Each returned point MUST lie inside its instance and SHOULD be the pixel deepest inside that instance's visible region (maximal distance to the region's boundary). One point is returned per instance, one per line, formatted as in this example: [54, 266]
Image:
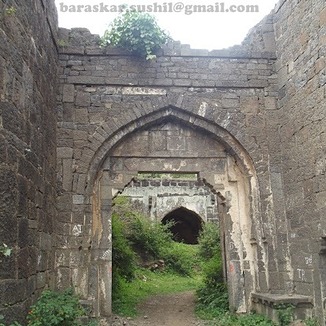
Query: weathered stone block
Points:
[81, 116]
[41, 280]
[23, 234]
[45, 241]
[8, 203]
[82, 99]
[27, 262]
[64, 152]
[68, 94]
[12, 291]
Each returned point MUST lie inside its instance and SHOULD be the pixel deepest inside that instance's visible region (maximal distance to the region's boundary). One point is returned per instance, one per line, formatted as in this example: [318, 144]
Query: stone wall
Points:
[28, 85]
[168, 147]
[110, 98]
[156, 198]
[300, 48]
[254, 118]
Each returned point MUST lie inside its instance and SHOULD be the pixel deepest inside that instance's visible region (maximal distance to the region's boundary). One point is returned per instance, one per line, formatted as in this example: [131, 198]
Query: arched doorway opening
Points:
[185, 225]
[172, 140]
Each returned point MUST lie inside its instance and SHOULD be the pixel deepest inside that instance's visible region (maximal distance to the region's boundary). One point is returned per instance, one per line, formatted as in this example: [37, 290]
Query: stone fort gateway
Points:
[236, 136]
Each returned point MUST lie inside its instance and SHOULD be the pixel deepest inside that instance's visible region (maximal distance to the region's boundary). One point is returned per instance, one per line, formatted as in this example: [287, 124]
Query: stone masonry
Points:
[28, 88]
[248, 121]
[187, 112]
[158, 198]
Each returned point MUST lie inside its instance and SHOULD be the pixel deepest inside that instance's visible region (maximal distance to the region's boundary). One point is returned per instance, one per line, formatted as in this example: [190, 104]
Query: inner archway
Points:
[186, 225]
[177, 144]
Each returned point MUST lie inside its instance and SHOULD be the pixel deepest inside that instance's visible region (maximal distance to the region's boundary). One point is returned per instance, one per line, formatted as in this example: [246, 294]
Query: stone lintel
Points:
[274, 300]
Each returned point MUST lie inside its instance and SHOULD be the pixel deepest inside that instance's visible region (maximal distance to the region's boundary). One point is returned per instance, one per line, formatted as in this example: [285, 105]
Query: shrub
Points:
[285, 314]
[213, 298]
[149, 238]
[54, 308]
[209, 241]
[213, 271]
[179, 258]
[213, 295]
[137, 32]
[15, 323]
[123, 257]
[311, 322]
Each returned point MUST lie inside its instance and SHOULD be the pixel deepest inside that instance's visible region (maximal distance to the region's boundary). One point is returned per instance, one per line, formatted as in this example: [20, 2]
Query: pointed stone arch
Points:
[186, 225]
[166, 113]
[241, 221]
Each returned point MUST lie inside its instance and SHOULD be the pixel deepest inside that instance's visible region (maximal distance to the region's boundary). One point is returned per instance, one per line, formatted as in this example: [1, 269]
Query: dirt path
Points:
[165, 310]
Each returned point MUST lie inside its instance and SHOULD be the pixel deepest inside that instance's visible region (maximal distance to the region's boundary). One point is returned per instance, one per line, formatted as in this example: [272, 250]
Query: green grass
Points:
[182, 258]
[138, 241]
[221, 317]
[149, 283]
[187, 267]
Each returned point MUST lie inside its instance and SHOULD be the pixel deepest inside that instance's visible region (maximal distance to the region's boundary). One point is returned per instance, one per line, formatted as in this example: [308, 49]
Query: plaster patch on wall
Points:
[77, 230]
[202, 109]
[107, 255]
[219, 178]
[80, 277]
[231, 170]
[114, 192]
[143, 91]
[168, 166]
[301, 274]
[61, 260]
[59, 279]
[308, 260]
[182, 164]
[103, 289]
[226, 121]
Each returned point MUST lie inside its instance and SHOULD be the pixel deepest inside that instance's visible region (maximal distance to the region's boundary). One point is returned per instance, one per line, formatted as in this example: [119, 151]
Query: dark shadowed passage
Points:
[186, 225]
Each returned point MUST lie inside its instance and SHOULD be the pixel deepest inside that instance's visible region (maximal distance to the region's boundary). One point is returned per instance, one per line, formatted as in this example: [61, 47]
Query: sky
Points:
[219, 27]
